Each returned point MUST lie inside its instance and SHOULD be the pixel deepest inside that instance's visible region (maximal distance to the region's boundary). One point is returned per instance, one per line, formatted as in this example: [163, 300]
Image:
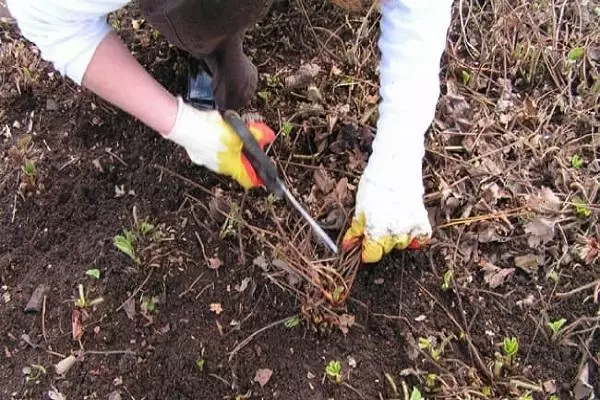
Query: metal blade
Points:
[313, 224]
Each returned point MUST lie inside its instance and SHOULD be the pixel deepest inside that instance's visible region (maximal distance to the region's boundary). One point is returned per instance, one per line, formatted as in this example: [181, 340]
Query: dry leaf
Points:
[215, 263]
[324, 182]
[76, 324]
[495, 276]
[528, 263]
[216, 308]
[129, 308]
[262, 376]
[541, 231]
[64, 365]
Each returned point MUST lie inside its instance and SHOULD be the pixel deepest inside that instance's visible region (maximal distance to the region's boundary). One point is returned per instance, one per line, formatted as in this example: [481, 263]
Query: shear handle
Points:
[261, 163]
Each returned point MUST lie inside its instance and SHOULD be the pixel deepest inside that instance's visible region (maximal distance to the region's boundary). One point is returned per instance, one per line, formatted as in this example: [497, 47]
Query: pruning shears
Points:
[267, 172]
[200, 95]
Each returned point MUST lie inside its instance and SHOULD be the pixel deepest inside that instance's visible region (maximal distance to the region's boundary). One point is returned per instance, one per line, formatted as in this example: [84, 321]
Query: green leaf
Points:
[510, 346]
[94, 273]
[292, 322]
[416, 394]
[125, 244]
[286, 129]
[597, 11]
[576, 54]
[466, 78]
[576, 161]
[200, 365]
[581, 208]
[556, 326]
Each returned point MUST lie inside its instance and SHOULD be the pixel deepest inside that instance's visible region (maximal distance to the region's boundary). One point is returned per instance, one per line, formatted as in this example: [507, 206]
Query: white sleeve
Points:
[67, 32]
[412, 41]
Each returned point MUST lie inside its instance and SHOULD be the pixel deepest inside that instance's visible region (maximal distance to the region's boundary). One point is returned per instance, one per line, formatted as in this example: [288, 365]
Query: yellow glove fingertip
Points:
[372, 251]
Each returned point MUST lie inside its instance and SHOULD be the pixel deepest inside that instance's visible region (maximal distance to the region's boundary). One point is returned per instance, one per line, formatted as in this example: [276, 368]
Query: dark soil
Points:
[95, 166]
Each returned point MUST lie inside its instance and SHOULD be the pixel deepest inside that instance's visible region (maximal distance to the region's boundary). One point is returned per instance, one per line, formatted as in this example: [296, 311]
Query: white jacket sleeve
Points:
[412, 41]
[67, 32]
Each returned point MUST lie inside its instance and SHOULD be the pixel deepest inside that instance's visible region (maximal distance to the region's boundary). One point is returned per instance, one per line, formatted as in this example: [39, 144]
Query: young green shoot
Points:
[146, 228]
[200, 365]
[29, 168]
[334, 371]
[576, 161]
[93, 272]
[526, 396]
[148, 304]
[125, 243]
[286, 129]
[34, 372]
[448, 277]
[416, 394]
[581, 208]
[292, 322]
[510, 347]
[430, 380]
[556, 327]
[82, 302]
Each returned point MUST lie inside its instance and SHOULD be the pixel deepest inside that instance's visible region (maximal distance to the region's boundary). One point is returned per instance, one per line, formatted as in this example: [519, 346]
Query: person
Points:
[76, 38]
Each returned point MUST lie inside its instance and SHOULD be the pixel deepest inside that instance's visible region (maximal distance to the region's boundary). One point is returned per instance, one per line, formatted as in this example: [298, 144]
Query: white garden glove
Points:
[390, 213]
[210, 141]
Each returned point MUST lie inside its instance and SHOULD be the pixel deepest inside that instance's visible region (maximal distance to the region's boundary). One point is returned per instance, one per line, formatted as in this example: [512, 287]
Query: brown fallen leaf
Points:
[528, 263]
[495, 276]
[129, 308]
[263, 375]
[541, 231]
[324, 182]
[76, 324]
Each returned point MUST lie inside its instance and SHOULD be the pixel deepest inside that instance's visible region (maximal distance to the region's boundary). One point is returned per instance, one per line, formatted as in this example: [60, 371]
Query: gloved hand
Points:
[210, 141]
[389, 213]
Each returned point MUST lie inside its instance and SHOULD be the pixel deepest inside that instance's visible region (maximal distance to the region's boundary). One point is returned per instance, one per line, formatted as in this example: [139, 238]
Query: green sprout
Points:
[576, 53]
[286, 128]
[334, 370]
[436, 353]
[498, 364]
[466, 77]
[581, 208]
[146, 228]
[416, 394]
[149, 304]
[556, 327]
[292, 322]
[34, 372]
[93, 272]
[200, 365]
[337, 293]
[510, 347]
[447, 283]
[526, 396]
[430, 380]
[553, 397]
[29, 168]
[576, 161]
[125, 243]
[82, 302]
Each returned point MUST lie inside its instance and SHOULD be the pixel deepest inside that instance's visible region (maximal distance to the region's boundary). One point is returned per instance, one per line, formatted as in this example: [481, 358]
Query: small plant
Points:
[576, 53]
[93, 272]
[436, 353]
[447, 283]
[286, 129]
[29, 168]
[334, 371]
[510, 347]
[526, 396]
[581, 208]
[149, 304]
[430, 380]
[200, 365]
[416, 394]
[553, 397]
[292, 322]
[146, 228]
[556, 327]
[125, 243]
[576, 161]
[34, 372]
[82, 302]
